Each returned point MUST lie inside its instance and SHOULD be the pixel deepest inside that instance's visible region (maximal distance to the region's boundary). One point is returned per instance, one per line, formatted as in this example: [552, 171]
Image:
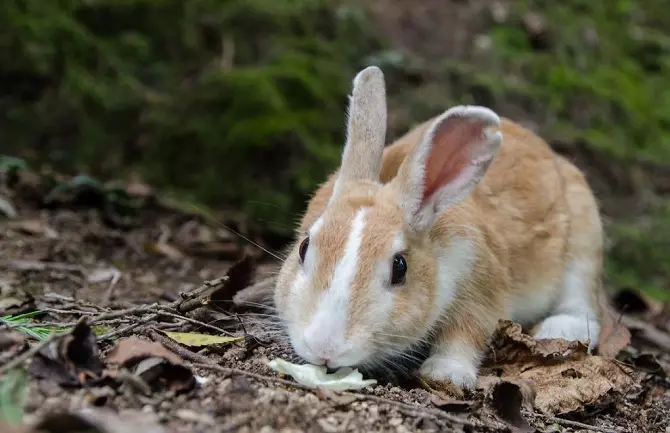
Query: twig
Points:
[176, 348]
[110, 289]
[162, 312]
[436, 413]
[62, 324]
[649, 333]
[127, 329]
[567, 422]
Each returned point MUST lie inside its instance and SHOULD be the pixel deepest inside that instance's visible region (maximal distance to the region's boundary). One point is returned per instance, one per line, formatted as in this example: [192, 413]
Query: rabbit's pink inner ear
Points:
[453, 145]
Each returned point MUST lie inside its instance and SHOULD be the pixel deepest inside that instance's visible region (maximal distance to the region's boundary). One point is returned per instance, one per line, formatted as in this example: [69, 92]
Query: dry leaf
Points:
[70, 360]
[153, 363]
[507, 398]
[128, 350]
[196, 340]
[239, 276]
[565, 377]
[614, 335]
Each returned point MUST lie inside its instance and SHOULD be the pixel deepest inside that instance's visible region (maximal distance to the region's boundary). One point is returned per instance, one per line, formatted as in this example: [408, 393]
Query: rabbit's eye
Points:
[398, 270]
[303, 249]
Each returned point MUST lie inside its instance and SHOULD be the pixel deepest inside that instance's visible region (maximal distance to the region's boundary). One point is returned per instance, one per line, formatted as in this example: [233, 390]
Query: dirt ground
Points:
[70, 262]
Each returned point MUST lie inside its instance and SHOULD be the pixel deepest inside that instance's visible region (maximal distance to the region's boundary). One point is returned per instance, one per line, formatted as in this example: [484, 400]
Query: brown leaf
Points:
[153, 363]
[126, 351]
[511, 347]
[564, 375]
[614, 335]
[507, 398]
[238, 276]
[70, 360]
[567, 387]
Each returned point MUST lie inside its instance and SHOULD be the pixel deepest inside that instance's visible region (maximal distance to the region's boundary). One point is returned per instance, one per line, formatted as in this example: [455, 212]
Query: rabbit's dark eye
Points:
[398, 270]
[303, 249]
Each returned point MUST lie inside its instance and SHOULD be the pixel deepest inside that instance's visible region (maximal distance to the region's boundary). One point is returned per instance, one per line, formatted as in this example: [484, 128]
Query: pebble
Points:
[395, 422]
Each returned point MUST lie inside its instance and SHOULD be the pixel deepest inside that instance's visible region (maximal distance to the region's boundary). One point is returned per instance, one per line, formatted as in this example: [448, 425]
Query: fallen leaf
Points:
[452, 404]
[99, 420]
[566, 378]
[508, 398]
[614, 335]
[155, 364]
[316, 376]
[104, 274]
[196, 340]
[128, 350]
[35, 228]
[70, 360]
[13, 395]
[238, 276]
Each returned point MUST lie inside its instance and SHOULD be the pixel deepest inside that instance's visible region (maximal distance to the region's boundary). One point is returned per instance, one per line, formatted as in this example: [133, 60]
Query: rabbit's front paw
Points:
[441, 368]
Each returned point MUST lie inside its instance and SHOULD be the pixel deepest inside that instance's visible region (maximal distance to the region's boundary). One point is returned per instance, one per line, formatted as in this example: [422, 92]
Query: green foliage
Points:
[13, 395]
[638, 255]
[38, 333]
[237, 103]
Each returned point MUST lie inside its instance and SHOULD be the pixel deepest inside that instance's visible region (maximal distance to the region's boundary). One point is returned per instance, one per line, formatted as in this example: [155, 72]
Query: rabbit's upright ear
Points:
[447, 164]
[366, 129]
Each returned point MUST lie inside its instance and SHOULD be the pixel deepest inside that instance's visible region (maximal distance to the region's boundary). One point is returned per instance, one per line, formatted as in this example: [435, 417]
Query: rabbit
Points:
[467, 219]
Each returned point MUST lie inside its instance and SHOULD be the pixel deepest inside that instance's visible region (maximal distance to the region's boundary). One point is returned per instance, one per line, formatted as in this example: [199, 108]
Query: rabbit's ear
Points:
[366, 129]
[448, 163]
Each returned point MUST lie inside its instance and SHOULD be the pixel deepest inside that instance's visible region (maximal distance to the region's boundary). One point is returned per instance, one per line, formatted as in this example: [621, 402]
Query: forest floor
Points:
[118, 371]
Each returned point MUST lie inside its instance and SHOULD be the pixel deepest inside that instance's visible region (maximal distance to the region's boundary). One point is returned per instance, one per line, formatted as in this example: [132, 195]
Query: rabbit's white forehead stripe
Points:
[326, 333]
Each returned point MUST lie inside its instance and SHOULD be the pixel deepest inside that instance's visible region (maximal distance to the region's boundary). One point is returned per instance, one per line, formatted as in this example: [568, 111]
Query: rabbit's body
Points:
[523, 241]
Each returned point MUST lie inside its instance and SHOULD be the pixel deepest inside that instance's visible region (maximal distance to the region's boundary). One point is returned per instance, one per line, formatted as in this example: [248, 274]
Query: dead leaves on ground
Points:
[564, 376]
[152, 363]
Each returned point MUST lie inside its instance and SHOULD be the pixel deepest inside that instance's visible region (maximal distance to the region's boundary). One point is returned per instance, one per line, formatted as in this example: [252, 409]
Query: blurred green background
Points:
[239, 104]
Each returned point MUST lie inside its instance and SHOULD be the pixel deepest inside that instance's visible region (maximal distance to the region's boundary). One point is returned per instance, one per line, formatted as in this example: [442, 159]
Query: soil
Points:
[70, 243]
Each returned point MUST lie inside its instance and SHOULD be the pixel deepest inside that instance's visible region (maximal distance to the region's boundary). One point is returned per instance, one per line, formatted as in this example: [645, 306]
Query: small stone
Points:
[395, 422]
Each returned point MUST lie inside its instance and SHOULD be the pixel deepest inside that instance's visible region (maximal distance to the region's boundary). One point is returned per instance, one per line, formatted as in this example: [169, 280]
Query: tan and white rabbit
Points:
[467, 219]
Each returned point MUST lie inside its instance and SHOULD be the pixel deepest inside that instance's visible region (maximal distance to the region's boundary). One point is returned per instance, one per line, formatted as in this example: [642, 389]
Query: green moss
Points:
[238, 104]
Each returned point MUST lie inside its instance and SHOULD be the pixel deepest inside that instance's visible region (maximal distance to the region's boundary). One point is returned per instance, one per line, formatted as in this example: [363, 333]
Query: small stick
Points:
[567, 422]
[127, 329]
[176, 348]
[194, 321]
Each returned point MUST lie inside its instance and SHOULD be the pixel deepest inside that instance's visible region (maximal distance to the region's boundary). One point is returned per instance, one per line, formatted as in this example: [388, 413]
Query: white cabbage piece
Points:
[316, 376]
